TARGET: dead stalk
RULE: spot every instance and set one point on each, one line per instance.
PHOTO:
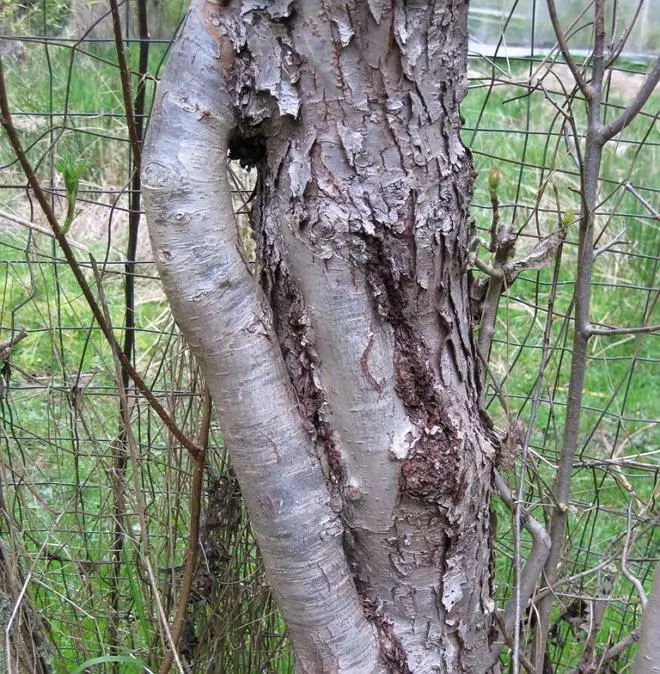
(140, 506)
(193, 538)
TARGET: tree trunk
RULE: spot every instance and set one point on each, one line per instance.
(343, 371)
(647, 660)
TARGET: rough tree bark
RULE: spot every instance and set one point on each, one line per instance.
(344, 371)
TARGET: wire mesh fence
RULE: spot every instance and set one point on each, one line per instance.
(98, 495)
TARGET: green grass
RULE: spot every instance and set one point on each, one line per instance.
(82, 89)
(621, 282)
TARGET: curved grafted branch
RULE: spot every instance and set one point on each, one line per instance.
(227, 322)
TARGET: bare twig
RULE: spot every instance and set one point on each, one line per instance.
(589, 191)
(140, 506)
(629, 187)
(605, 332)
(621, 43)
(488, 270)
(503, 244)
(572, 144)
(645, 90)
(42, 230)
(524, 660)
(563, 47)
(613, 652)
(624, 562)
(135, 124)
(597, 610)
(125, 76)
(618, 240)
(531, 570)
(8, 344)
(20, 597)
(526, 580)
(618, 648)
(493, 181)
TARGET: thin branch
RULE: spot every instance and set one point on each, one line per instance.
(628, 186)
(125, 77)
(606, 332)
(21, 594)
(495, 384)
(597, 610)
(135, 123)
(493, 180)
(14, 613)
(612, 652)
(6, 346)
(503, 245)
(42, 230)
(616, 241)
(573, 150)
(533, 565)
(618, 48)
(589, 192)
(524, 660)
(621, 122)
(533, 568)
(487, 269)
(474, 244)
(563, 47)
(140, 505)
(624, 563)
(618, 648)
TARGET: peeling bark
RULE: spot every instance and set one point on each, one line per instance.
(345, 376)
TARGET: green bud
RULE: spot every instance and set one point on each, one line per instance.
(569, 218)
(71, 170)
(493, 179)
